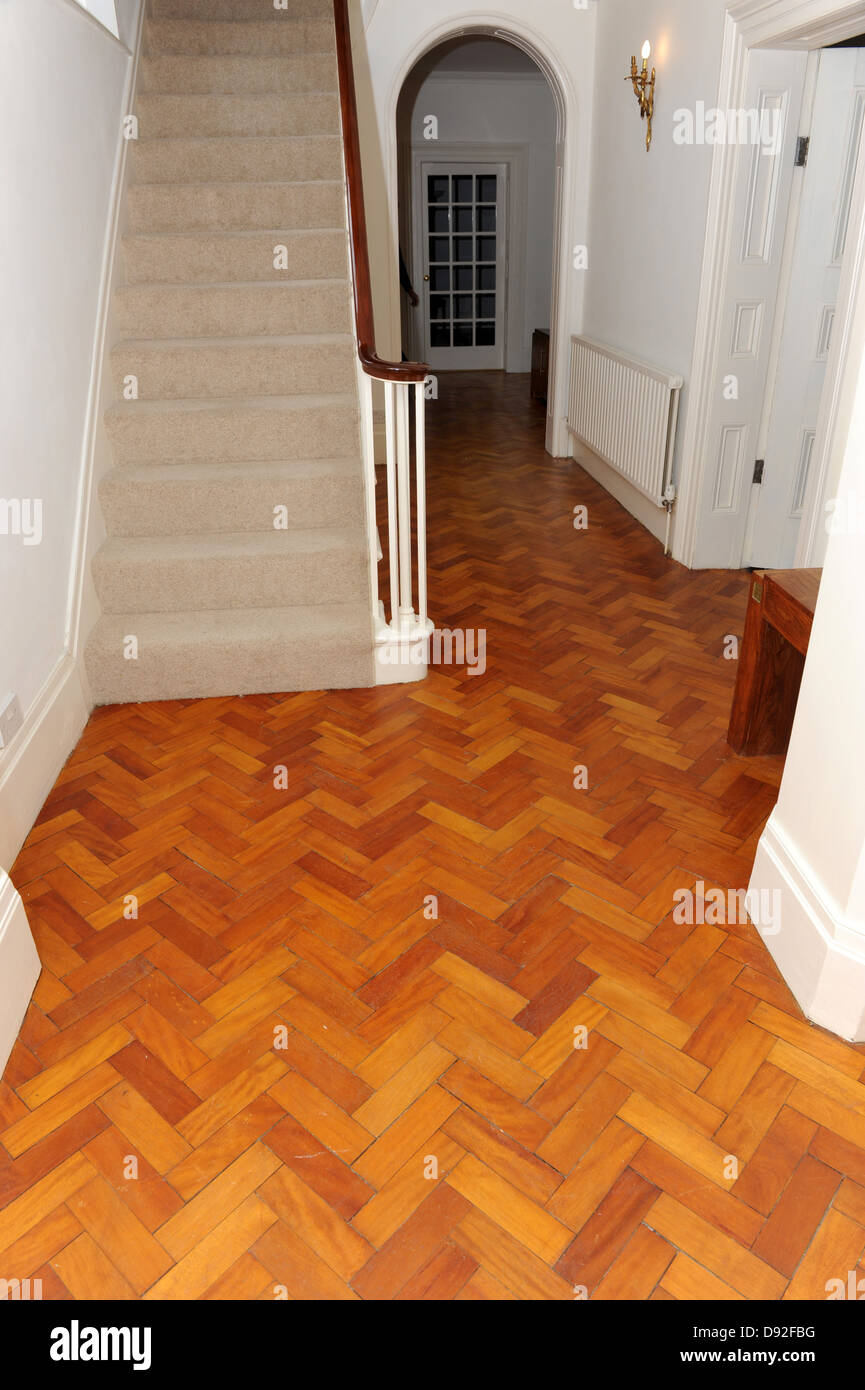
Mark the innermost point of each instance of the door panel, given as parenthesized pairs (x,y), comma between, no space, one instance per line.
(464,254)
(810,309)
(763,181)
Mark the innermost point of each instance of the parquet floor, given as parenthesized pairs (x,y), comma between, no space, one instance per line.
(332,1056)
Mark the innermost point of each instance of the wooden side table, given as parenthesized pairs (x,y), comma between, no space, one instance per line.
(777,631)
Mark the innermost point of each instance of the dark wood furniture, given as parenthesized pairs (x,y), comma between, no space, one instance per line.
(540,363)
(777,630)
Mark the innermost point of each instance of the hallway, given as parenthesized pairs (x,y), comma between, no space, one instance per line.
(316,965)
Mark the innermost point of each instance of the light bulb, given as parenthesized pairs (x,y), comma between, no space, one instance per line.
(647,49)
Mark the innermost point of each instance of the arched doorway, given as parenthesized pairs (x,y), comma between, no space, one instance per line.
(563,235)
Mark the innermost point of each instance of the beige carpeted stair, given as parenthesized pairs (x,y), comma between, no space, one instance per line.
(246,408)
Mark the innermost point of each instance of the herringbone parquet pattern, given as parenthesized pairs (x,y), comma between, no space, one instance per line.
(314,963)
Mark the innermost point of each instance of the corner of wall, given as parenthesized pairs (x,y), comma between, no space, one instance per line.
(20,967)
(820,955)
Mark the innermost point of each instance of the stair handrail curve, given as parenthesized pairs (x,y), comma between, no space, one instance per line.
(372,364)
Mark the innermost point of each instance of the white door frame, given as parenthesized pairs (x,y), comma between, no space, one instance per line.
(799,24)
(516,159)
(567,234)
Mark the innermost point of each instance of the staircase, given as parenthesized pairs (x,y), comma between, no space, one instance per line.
(236,552)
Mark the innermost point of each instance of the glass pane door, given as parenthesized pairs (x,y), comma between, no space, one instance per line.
(464,245)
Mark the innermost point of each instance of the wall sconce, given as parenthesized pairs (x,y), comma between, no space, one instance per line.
(644,90)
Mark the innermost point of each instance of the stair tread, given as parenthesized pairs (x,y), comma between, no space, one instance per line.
(228,544)
(205,286)
(240,624)
(164,140)
(263,340)
(231,404)
(230,470)
(233,234)
(165,184)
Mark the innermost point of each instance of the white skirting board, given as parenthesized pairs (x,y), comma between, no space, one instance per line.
(19,967)
(819,953)
(29,767)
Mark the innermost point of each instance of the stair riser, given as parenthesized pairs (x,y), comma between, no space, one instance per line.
(165,373)
(192,672)
(238,9)
(145,312)
(205,584)
(314,73)
(233,436)
(162,117)
(230,160)
(247,207)
(202,38)
(188,260)
(196,508)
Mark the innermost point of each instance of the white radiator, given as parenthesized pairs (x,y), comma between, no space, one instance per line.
(626,413)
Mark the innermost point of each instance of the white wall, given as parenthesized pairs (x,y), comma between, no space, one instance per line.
(813,849)
(494,109)
(62,94)
(648,212)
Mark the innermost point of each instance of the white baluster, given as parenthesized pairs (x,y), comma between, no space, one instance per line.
(392,522)
(368,452)
(420,469)
(403,455)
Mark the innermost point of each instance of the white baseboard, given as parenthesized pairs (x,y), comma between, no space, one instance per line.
(818,951)
(644,511)
(19,967)
(29,767)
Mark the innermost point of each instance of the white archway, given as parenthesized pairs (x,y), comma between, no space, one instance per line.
(490,24)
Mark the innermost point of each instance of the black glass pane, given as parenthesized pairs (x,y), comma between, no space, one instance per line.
(463,306)
(463,278)
(486,278)
(462,335)
(440,335)
(486,248)
(486,220)
(487,188)
(464,220)
(440,220)
(439,306)
(438,186)
(462,189)
(485,334)
(440,278)
(463,248)
(486,306)
(439,248)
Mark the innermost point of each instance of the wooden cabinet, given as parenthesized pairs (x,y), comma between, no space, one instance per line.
(777,630)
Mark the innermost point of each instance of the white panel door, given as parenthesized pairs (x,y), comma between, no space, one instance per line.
(463,244)
(764,177)
(810,310)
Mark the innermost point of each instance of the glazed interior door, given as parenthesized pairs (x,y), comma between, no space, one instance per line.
(464,255)
(821,236)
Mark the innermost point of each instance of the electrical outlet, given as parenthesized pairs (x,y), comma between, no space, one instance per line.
(11,719)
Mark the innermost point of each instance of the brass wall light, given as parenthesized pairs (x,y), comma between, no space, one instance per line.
(644,89)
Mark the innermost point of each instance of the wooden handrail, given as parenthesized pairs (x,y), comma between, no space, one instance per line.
(372,364)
